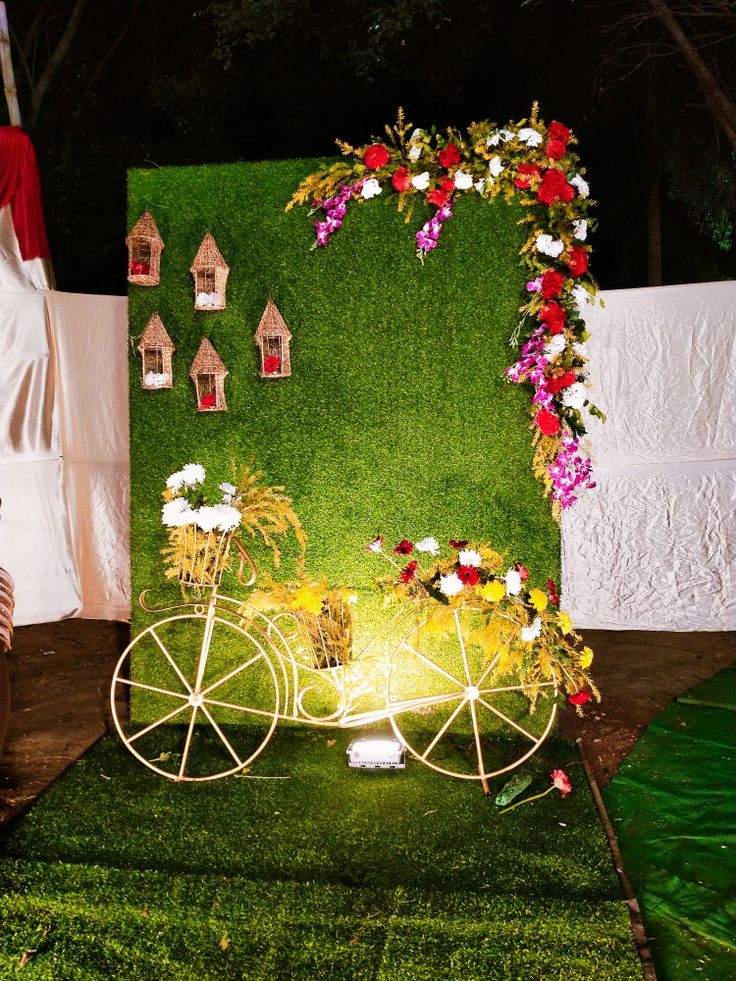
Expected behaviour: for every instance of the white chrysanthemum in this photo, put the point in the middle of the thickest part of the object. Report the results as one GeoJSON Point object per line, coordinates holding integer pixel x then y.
{"type": "Point", "coordinates": [531, 632]}
{"type": "Point", "coordinates": [421, 181]}
{"type": "Point", "coordinates": [175, 481]}
{"type": "Point", "coordinates": [171, 511]}
{"type": "Point", "coordinates": [430, 545]}
{"type": "Point", "coordinates": [581, 296]}
{"type": "Point", "coordinates": [581, 185]}
{"type": "Point", "coordinates": [550, 246]}
{"type": "Point", "coordinates": [463, 181]}
{"type": "Point", "coordinates": [499, 136]}
{"type": "Point", "coordinates": [529, 136]}
{"type": "Point", "coordinates": [155, 379]}
{"type": "Point", "coordinates": [575, 396]}
{"type": "Point", "coordinates": [495, 166]}
{"type": "Point", "coordinates": [450, 585]}
{"type": "Point", "coordinates": [193, 474]}
{"type": "Point", "coordinates": [207, 517]}
{"type": "Point", "coordinates": [580, 229]}
{"type": "Point", "coordinates": [480, 185]}
{"type": "Point", "coordinates": [352, 598]}
{"type": "Point", "coordinates": [230, 517]}
{"type": "Point", "coordinates": [469, 556]}
{"type": "Point", "coordinates": [370, 188]}
{"type": "Point", "coordinates": [556, 346]}
{"type": "Point", "coordinates": [513, 583]}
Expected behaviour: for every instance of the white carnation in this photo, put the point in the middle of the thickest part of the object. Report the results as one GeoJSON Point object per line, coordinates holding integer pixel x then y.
{"type": "Point", "coordinates": [495, 166]}
{"type": "Point", "coordinates": [574, 397]}
{"type": "Point", "coordinates": [581, 297]}
{"type": "Point", "coordinates": [499, 136]}
{"type": "Point", "coordinates": [531, 632]}
{"type": "Point", "coordinates": [550, 246]}
{"type": "Point", "coordinates": [421, 181]}
{"type": "Point", "coordinates": [371, 188]}
{"type": "Point", "coordinates": [463, 181]}
{"type": "Point", "coordinates": [580, 185]}
{"type": "Point", "coordinates": [580, 229]}
{"type": "Point", "coordinates": [556, 346]}
{"type": "Point", "coordinates": [450, 585]}
{"type": "Point", "coordinates": [430, 545]}
{"type": "Point", "coordinates": [529, 136]}
{"type": "Point", "coordinates": [513, 583]}
{"type": "Point", "coordinates": [469, 556]}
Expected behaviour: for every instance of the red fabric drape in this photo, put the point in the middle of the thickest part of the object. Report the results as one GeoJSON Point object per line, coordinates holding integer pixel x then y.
{"type": "Point", "coordinates": [21, 188]}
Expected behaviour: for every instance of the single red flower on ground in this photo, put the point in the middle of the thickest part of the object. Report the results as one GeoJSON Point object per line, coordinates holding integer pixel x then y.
{"type": "Point", "coordinates": [404, 547]}
{"type": "Point", "coordinates": [457, 543]}
{"type": "Point", "coordinates": [271, 364]}
{"type": "Point", "coordinates": [552, 282]}
{"type": "Point", "coordinates": [556, 149]}
{"type": "Point", "coordinates": [375, 156]}
{"type": "Point", "coordinates": [548, 422]}
{"type": "Point", "coordinates": [527, 171]}
{"type": "Point", "coordinates": [207, 401]}
{"type": "Point", "coordinates": [409, 571]}
{"type": "Point", "coordinates": [438, 197]}
{"type": "Point", "coordinates": [561, 780]}
{"type": "Point", "coordinates": [556, 383]}
{"type": "Point", "coordinates": [401, 180]}
{"type": "Point", "coordinates": [553, 315]}
{"type": "Point", "coordinates": [580, 697]}
{"type": "Point", "coordinates": [558, 132]}
{"type": "Point", "coordinates": [554, 596]}
{"type": "Point", "coordinates": [449, 156]}
{"type": "Point", "coordinates": [577, 260]}
{"type": "Point", "coordinates": [522, 570]}
{"type": "Point", "coordinates": [468, 575]}
{"type": "Point", "coordinates": [554, 187]}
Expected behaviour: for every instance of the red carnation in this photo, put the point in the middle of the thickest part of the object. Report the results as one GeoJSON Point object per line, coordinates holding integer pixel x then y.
{"type": "Point", "coordinates": [558, 132]}
{"type": "Point", "coordinates": [580, 697]}
{"type": "Point", "coordinates": [207, 401]}
{"type": "Point", "coordinates": [552, 282]}
{"type": "Point", "coordinates": [457, 543]}
{"type": "Point", "coordinates": [438, 197]}
{"type": "Point", "coordinates": [548, 422]}
{"type": "Point", "coordinates": [553, 315]}
{"type": "Point", "coordinates": [554, 596]}
{"type": "Point", "coordinates": [449, 156]}
{"type": "Point", "coordinates": [577, 260]}
{"type": "Point", "coordinates": [375, 156]}
{"type": "Point", "coordinates": [527, 171]}
{"type": "Point", "coordinates": [556, 149]}
{"type": "Point", "coordinates": [468, 575]}
{"type": "Point", "coordinates": [404, 547]}
{"type": "Point", "coordinates": [558, 382]}
{"type": "Point", "coordinates": [522, 570]}
{"type": "Point", "coordinates": [554, 187]}
{"type": "Point", "coordinates": [409, 571]}
{"type": "Point", "coordinates": [401, 180]}
{"type": "Point", "coordinates": [271, 364]}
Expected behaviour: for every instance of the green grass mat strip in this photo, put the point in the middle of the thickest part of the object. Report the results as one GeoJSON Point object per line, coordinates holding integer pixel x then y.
{"type": "Point", "coordinates": [672, 803]}
{"type": "Point", "coordinates": [716, 692]}
{"type": "Point", "coordinates": [331, 873]}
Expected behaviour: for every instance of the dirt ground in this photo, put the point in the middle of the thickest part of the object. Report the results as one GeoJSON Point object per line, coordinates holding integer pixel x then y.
{"type": "Point", "coordinates": [60, 677]}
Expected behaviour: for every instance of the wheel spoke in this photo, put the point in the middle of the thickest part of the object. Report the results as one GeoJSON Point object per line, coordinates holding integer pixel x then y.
{"type": "Point", "coordinates": [478, 746]}
{"type": "Point", "coordinates": [487, 670]}
{"type": "Point", "coordinates": [507, 720]}
{"type": "Point", "coordinates": [239, 708]}
{"type": "Point", "coordinates": [171, 661]}
{"type": "Point", "coordinates": [461, 641]}
{"type": "Point", "coordinates": [222, 735]}
{"type": "Point", "coordinates": [432, 664]}
{"type": "Point", "coordinates": [144, 687]}
{"type": "Point", "coordinates": [427, 701]}
{"type": "Point", "coordinates": [233, 673]}
{"type": "Point", "coordinates": [451, 718]}
{"type": "Point", "coordinates": [187, 744]}
{"type": "Point", "coordinates": [158, 722]}
{"type": "Point", "coordinates": [524, 687]}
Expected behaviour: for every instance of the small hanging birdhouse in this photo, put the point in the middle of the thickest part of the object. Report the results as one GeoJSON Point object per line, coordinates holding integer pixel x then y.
{"type": "Point", "coordinates": [144, 251]}
{"type": "Point", "coordinates": [208, 374]}
{"type": "Point", "coordinates": [210, 273]}
{"type": "Point", "coordinates": [273, 338]}
{"type": "Point", "coordinates": [156, 349]}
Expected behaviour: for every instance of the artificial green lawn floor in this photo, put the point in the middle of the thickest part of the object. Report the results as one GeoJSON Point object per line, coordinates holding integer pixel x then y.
{"type": "Point", "coordinates": [330, 873]}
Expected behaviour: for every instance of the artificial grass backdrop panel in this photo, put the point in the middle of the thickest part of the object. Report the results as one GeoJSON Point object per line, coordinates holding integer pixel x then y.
{"type": "Point", "coordinates": [321, 872]}
{"type": "Point", "coordinates": [396, 418]}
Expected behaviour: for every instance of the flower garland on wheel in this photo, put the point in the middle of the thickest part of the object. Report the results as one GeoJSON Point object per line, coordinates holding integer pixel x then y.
{"type": "Point", "coordinates": [533, 163]}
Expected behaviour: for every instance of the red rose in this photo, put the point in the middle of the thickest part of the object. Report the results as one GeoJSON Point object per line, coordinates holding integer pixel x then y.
{"type": "Point", "coordinates": [556, 149]}
{"type": "Point", "coordinates": [554, 187]}
{"type": "Point", "coordinates": [401, 180]}
{"type": "Point", "coordinates": [580, 697]}
{"type": "Point", "coordinates": [558, 132]}
{"type": "Point", "coordinates": [447, 183]}
{"type": "Point", "coordinates": [552, 282]}
{"type": "Point", "coordinates": [558, 382]}
{"type": "Point", "coordinates": [522, 570]}
{"type": "Point", "coordinates": [438, 196]}
{"type": "Point", "coordinates": [409, 571]}
{"type": "Point", "coordinates": [547, 422]}
{"type": "Point", "coordinates": [554, 596]}
{"type": "Point", "coordinates": [457, 543]}
{"type": "Point", "coordinates": [271, 364]}
{"type": "Point", "coordinates": [207, 401]}
{"type": "Point", "coordinates": [577, 260]}
{"type": "Point", "coordinates": [449, 156]}
{"type": "Point", "coordinates": [468, 575]}
{"type": "Point", "coordinates": [526, 173]}
{"type": "Point", "coordinates": [375, 156]}
{"type": "Point", "coordinates": [404, 547]}
{"type": "Point", "coordinates": [553, 316]}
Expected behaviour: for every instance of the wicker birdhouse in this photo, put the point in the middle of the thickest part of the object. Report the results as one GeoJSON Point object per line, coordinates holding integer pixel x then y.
{"type": "Point", "coordinates": [273, 338]}
{"type": "Point", "coordinates": [208, 374]}
{"type": "Point", "coordinates": [156, 350]}
{"type": "Point", "coordinates": [210, 273]}
{"type": "Point", "coordinates": [145, 246]}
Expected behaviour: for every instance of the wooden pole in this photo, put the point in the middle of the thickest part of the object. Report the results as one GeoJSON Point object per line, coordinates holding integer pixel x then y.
{"type": "Point", "coordinates": [6, 59]}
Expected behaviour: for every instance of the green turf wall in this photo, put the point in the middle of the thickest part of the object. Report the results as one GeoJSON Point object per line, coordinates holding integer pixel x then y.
{"type": "Point", "coordinates": [396, 418]}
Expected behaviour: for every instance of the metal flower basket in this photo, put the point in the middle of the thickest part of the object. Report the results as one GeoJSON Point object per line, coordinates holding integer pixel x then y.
{"type": "Point", "coordinates": [201, 556]}
{"type": "Point", "coordinates": [327, 637]}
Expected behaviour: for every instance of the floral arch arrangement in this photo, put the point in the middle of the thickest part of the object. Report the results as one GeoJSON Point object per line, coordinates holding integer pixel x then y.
{"type": "Point", "coordinates": [534, 164]}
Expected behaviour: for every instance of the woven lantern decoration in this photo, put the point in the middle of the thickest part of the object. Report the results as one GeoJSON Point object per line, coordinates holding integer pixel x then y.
{"type": "Point", "coordinates": [210, 273]}
{"type": "Point", "coordinates": [145, 246]}
{"type": "Point", "coordinates": [273, 338]}
{"type": "Point", "coordinates": [156, 349]}
{"type": "Point", "coordinates": [208, 374]}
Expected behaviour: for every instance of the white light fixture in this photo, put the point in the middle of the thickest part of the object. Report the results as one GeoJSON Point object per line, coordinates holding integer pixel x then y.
{"type": "Point", "coordinates": [376, 753]}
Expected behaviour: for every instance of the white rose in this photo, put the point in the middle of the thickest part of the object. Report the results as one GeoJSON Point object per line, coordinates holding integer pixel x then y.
{"type": "Point", "coordinates": [421, 181]}
{"type": "Point", "coordinates": [531, 632]}
{"type": "Point", "coordinates": [550, 246]}
{"type": "Point", "coordinates": [495, 166]}
{"type": "Point", "coordinates": [513, 582]}
{"type": "Point", "coordinates": [580, 229]}
{"type": "Point", "coordinates": [581, 185]}
{"type": "Point", "coordinates": [469, 556]}
{"type": "Point", "coordinates": [529, 136]}
{"type": "Point", "coordinates": [450, 585]}
{"type": "Point", "coordinates": [574, 397]}
{"type": "Point", "coordinates": [370, 189]}
{"type": "Point", "coordinates": [463, 181]}
{"type": "Point", "coordinates": [430, 545]}
{"type": "Point", "coordinates": [556, 346]}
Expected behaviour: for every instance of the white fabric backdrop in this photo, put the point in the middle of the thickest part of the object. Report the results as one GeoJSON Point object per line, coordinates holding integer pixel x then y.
{"type": "Point", "coordinates": [654, 546]}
